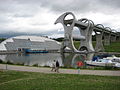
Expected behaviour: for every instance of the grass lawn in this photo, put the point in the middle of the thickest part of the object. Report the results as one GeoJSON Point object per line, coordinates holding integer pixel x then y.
{"type": "Point", "coordinates": [113, 47]}
{"type": "Point", "coordinates": [15, 80]}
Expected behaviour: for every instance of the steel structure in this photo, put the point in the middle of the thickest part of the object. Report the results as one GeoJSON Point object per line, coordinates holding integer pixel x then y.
{"type": "Point", "coordinates": [86, 28]}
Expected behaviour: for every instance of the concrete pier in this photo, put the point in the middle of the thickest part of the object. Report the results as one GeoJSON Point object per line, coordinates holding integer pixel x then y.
{"type": "Point", "coordinates": [99, 44]}
{"type": "Point", "coordinates": [107, 38]}
{"type": "Point", "coordinates": [113, 38]}
{"type": "Point", "coordinates": [86, 44]}
{"type": "Point", "coordinates": [118, 39]}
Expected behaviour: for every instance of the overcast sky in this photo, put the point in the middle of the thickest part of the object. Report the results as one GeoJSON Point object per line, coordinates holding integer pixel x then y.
{"type": "Point", "coordinates": [38, 16]}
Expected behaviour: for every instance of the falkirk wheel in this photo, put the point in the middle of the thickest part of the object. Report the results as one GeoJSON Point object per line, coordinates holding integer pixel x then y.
{"type": "Point", "coordinates": [85, 27]}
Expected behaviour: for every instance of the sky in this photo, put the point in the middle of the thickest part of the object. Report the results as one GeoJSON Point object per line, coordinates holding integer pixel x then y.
{"type": "Point", "coordinates": [38, 16]}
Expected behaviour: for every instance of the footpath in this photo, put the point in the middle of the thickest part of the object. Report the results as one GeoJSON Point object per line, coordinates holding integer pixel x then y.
{"type": "Point", "coordinates": [65, 71]}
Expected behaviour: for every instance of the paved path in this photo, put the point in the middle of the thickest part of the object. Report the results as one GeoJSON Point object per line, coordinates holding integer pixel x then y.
{"type": "Point", "coordinates": [66, 71]}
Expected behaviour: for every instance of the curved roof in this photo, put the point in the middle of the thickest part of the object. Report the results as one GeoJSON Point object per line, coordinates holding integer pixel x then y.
{"type": "Point", "coordinates": [31, 38]}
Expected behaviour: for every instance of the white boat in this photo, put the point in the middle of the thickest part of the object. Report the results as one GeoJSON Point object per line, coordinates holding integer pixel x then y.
{"type": "Point", "coordinates": [103, 62]}
{"type": "Point", "coordinates": [113, 58]}
{"type": "Point", "coordinates": [117, 65]}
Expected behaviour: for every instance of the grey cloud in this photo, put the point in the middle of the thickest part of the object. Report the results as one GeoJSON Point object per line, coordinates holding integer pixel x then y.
{"type": "Point", "coordinates": [13, 6]}
{"type": "Point", "coordinates": [59, 6]}
{"type": "Point", "coordinates": [55, 5]}
{"type": "Point", "coordinates": [82, 6]}
{"type": "Point", "coordinates": [62, 6]}
{"type": "Point", "coordinates": [5, 19]}
{"type": "Point", "coordinates": [29, 8]}
{"type": "Point", "coordinates": [38, 24]}
{"type": "Point", "coordinates": [22, 15]}
{"type": "Point", "coordinates": [66, 5]}
{"type": "Point", "coordinates": [112, 3]}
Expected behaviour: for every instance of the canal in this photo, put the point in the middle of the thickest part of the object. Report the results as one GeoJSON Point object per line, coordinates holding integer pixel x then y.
{"type": "Point", "coordinates": [68, 60]}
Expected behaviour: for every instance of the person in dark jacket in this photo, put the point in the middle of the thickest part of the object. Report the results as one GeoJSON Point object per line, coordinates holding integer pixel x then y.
{"type": "Point", "coordinates": [57, 66]}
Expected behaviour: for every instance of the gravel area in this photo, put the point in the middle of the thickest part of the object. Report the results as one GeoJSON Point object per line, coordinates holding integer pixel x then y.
{"type": "Point", "coordinates": [66, 71]}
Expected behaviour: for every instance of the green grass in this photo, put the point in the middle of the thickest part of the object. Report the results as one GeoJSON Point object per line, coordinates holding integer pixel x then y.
{"type": "Point", "coordinates": [113, 47]}
{"type": "Point", "coordinates": [15, 80]}
{"type": "Point", "coordinates": [77, 44]}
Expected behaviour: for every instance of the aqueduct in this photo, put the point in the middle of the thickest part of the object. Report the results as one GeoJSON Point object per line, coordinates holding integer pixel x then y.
{"type": "Point", "coordinates": [86, 28]}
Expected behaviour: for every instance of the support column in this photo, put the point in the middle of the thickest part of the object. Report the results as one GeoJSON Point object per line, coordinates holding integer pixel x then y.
{"type": "Point", "coordinates": [68, 27]}
{"type": "Point", "coordinates": [113, 38]}
{"type": "Point", "coordinates": [99, 44]}
{"type": "Point", "coordinates": [118, 38]}
{"type": "Point", "coordinates": [87, 43]}
{"type": "Point", "coordinates": [107, 39]}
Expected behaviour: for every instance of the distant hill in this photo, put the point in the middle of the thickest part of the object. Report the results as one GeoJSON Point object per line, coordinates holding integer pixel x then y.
{"type": "Point", "coordinates": [13, 34]}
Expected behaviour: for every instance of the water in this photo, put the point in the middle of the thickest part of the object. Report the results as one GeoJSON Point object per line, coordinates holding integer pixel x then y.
{"type": "Point", "coordinates": [67, 60]}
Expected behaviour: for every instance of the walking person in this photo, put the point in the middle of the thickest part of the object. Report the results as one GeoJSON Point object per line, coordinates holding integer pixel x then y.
{"type": "Point", "coordinates": [57, 67]}
{"type": "Point", "coordinates": [53, 65]}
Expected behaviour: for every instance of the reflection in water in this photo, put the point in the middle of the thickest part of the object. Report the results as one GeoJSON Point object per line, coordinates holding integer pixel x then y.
{"type": "Point", "coordinates": [65, 60]}
{"type": "Point", "coordinates": [77, 58]}
{"type": "Point", "coordinates": [32, 59]}
{"type": "Point", "coordinates": [70, 59]}
{"type": "Point", "coordinates": [89, 56]}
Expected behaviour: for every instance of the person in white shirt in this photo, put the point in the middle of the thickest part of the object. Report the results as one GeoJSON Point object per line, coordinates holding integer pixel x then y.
{"type": "Point", "coordinates": [53, 65]}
